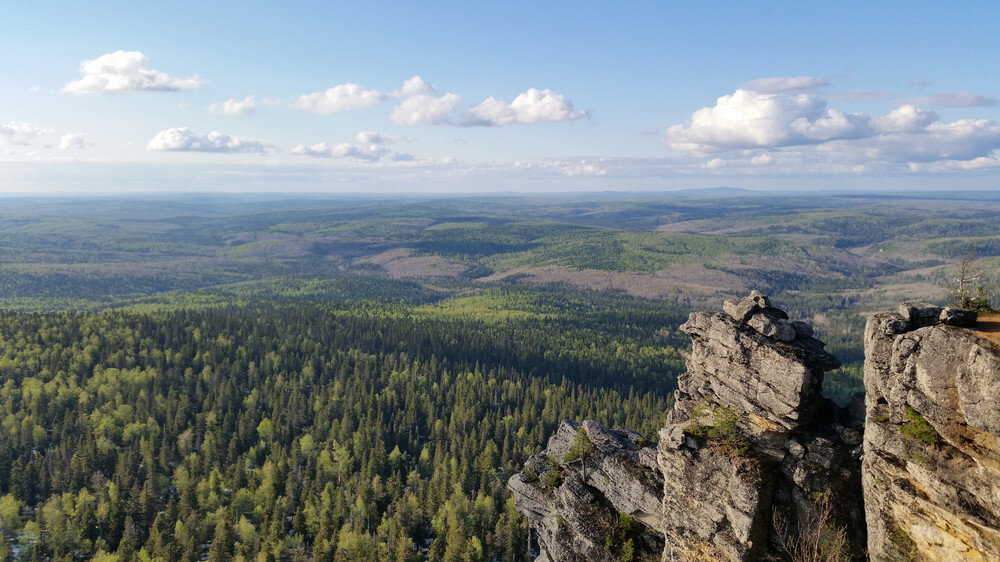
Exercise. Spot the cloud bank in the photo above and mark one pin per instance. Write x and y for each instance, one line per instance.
(420, 103)
(22, 133)
(181, 139)
(767, 117)
(368, 146)
(124, 71)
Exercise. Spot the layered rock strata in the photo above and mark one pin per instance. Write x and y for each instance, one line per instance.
(932, 437)
(751, 441)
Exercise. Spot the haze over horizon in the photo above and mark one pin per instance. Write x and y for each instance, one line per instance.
(468, 97)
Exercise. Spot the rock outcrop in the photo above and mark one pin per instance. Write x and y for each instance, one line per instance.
(753, 458)
(751, 441)
(591, 491)
(932, 437)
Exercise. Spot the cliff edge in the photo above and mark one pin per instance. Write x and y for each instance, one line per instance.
(932, 461)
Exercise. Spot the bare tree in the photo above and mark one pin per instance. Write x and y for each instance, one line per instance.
(969, 291)
(816, 537)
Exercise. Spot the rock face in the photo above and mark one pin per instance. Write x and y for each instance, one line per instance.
(751, 441)
(752, 455)
(576, 503)
(932, 437)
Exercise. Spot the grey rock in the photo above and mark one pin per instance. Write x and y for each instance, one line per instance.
(617, 476)
(735, 366)
(772, 327)
(920, 313)
(742, 309)
(958, 317)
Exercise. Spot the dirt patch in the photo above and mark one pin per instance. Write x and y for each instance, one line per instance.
(988, 326)
(688, 283)
(400, 263)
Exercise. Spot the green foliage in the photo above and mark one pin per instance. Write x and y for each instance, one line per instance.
(291, 430)
(552, 477)
(918, 428)
(580, 448)
(723, 430)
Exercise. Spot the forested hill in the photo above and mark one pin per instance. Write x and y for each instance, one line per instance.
(290, 431)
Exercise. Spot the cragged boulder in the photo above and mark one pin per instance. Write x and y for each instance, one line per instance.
(585, 502)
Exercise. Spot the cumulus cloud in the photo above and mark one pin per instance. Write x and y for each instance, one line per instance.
(749, 119)
(236, 108)
(905, 119)
(124, 71)
(751, 127)
(786, 84)
(533, 106)
(414, 86)
(345, 97)
(368, 146)
(71, 141)
(427, 109)
(181, 139)
(22, 133)
(954, 99)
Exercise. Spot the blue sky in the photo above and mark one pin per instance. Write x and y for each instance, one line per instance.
(476, 96)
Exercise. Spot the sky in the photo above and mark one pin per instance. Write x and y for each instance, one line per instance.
(467, 97)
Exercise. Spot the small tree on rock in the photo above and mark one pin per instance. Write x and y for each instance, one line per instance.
(578, 451)
(969, 291)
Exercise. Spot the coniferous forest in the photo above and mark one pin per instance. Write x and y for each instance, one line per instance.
(297, 431)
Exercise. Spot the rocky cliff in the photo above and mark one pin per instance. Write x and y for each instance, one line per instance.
(754, 464)
(932, 461)
(751, 447)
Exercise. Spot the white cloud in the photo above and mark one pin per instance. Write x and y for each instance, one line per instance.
(414, 86)
(748, 119)
(808, 136)
(786, 84)
(74, 141)
(954, 99)
(124, 71)
(582, 168)
(236, 108)
(181, 139)
(22, 133)
(427, 109)
(904, 119)
(345, 97)
(954, 165)
(368, 146)
(533, 106)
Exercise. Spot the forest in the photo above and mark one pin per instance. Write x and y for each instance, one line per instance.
(282, 378)
(301, 431)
